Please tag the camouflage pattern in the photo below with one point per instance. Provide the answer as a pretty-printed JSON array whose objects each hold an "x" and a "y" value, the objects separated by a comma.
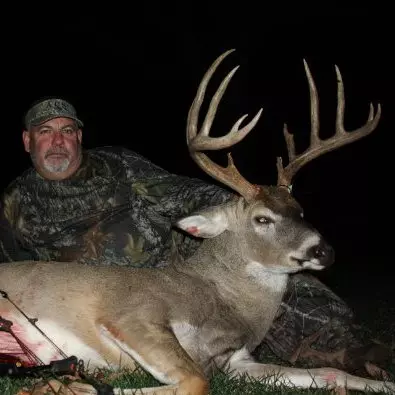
[
  {"x": 118, "y": 208},
  {"x": 48, "y": 109}
]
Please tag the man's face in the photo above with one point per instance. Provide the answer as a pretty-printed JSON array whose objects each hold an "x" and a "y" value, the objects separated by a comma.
[{"x": 54, "y": 147}]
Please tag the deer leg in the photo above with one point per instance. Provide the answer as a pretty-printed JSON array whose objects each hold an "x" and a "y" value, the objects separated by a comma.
[
  {"x": 305, "y": 351},
  {"x": 343, "y": 358},
  {"x": 376, "y": 371},
  {"x": 304, "y": 347},
  {"x": 158, "y": 351},
  {"x": 242, "y": 363}
]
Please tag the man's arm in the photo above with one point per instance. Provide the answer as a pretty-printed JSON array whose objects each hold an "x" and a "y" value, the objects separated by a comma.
[
  {"x": 176, "y": 196},
  {"x": 171, "y": 195}
]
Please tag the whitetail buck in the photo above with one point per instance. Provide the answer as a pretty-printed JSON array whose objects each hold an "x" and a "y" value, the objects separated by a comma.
[{"x": 183, "y": 322}]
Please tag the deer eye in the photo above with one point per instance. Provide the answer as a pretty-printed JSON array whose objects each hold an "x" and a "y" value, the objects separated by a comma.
[{"x": 264, "y": 220}]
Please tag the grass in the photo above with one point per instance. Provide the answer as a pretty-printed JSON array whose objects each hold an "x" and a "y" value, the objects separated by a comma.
[{"x": 220, "y": 384}]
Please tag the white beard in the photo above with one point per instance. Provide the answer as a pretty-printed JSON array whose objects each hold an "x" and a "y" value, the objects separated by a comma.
[{"x": 58, "y": 167}]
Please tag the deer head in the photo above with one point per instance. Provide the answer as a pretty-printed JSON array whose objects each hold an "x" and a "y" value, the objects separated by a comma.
[{"x": 271, "y": 220}]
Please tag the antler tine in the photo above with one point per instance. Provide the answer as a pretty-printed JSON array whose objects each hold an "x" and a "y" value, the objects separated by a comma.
[
  {"x": 199, "y": 141},
  {"x": 317, "y": 146}
]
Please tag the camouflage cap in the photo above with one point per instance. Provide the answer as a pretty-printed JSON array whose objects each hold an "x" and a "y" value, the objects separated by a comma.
[{"x": 49, "y": 109}]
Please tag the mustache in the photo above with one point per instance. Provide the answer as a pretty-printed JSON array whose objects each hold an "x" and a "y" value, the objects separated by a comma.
[{"x": 57, "y": 151}]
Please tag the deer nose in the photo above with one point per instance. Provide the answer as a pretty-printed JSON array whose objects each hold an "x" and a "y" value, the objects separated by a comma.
[{"x": 323, "y": 252}]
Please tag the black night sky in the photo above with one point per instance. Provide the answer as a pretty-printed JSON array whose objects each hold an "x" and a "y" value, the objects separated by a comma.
[{"x": 132, "y": 75}]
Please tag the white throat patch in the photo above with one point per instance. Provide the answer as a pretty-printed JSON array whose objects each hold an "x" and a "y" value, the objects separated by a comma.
[{"x": 275, "y": 281}]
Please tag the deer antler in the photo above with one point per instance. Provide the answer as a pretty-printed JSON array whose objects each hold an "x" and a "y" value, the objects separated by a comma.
[
  {"x": 202, "y": 141},
  {"x": 317, "y": 146}
]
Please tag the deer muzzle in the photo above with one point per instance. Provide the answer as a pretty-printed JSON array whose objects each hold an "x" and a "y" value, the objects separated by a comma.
[{"x": 323, "y": 253}]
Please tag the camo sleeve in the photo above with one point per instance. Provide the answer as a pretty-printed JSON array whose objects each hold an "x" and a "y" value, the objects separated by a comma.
[
  {"x": 169, "y": 198},
  {"x": 172, "y": 195},
  {"x": 175, "y": 196}
]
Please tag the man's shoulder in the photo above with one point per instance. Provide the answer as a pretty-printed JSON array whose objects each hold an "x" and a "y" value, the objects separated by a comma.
[
  {"x": 125, "y": 158},
  {"x": 16, "y": 183},
  {"x": 113, "y": 151},
  {"x": 108, "y": 149},
  {"x": 11, "y": 194}
]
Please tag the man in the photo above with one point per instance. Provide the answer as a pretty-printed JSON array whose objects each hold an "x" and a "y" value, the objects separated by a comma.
[{"x": 112, "y": 206}]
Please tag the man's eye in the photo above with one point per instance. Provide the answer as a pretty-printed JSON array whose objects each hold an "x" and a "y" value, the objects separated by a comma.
[
  {"x": 68, "y": 131},
  {"x": 44, "y": 131},
  {"x": 264, "y": 220}
]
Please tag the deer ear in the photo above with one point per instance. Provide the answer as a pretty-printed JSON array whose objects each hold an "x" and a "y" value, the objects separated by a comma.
[{"x": 204, "y": 224}]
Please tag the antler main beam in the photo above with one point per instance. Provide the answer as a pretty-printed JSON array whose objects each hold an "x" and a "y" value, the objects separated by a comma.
[
  {"x": 317, "y": 146},
  {"x": 199, "y": 141}
]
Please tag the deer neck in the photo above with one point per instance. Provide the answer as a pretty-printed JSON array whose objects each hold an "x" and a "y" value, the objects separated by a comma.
[{"x": 239, "y": 283}]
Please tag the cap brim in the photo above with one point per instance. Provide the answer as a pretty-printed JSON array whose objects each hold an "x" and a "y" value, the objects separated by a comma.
[{"x": 40, "y": 120}]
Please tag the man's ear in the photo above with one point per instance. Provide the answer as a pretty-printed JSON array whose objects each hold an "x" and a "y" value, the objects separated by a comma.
[
  {"x": 26, "y": 140},
  {"x": 79, "y": 135},
  {"x": 206, "y": 223}
]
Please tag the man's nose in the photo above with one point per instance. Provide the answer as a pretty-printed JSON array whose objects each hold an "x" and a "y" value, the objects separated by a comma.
[{"x": 57, "y": 138}]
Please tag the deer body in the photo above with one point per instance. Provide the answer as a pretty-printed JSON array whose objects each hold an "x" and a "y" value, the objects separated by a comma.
[
  {"x": 182, "y": 322},
  {"x": 220, "y": 282},
  {"x": 88, "y": 309}
]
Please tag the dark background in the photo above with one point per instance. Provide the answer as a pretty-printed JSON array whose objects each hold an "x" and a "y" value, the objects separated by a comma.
[{"x": 132, "y": 75}]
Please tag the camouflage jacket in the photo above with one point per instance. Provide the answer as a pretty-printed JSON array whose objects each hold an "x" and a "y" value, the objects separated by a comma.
[{"x": 118, "y": 208}]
